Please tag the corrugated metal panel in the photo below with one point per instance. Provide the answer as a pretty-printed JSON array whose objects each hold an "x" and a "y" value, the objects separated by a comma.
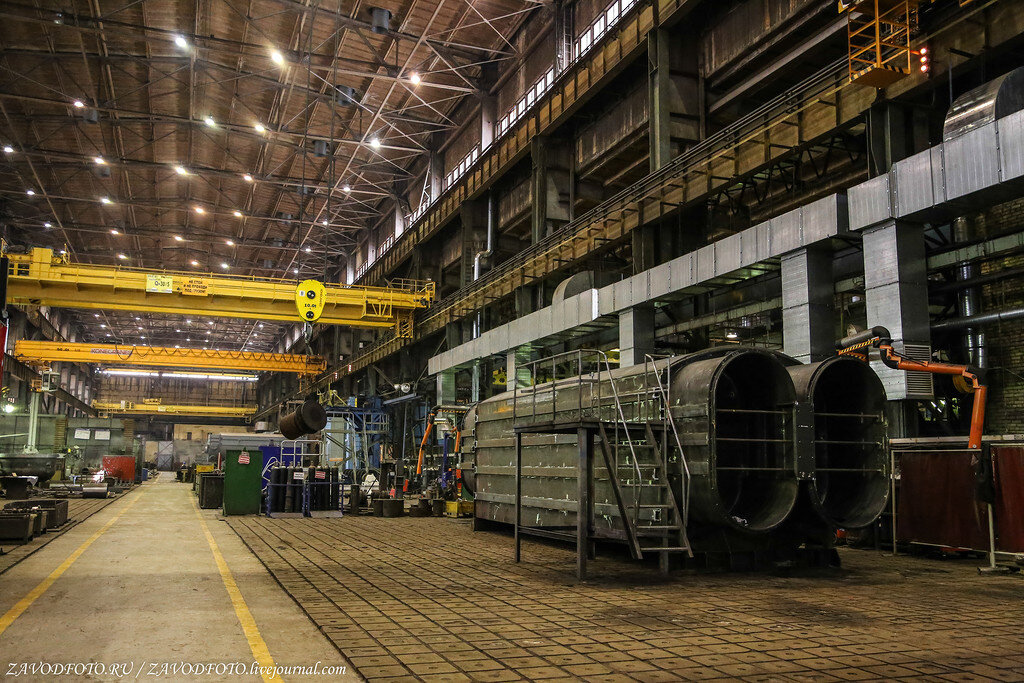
[
  {"x": 1011, "y": 146},
  {"x": 914, "y": 190},
  {"x": 869, "y": 203},
  {"x": 971, "y": 163}
]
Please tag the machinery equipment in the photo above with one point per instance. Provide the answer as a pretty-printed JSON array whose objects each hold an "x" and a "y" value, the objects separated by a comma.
[
  {"x": 729, "y": 456},
  {"x": 308, "y": 418}
]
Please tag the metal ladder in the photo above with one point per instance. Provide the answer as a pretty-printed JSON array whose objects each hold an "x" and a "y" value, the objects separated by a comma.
[{"x": 637, "y": 460}]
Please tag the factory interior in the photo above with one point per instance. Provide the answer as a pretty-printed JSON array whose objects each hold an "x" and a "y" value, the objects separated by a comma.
[{"x": 497, "y": 340}]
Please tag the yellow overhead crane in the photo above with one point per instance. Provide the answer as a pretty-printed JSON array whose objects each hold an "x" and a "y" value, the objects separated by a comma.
[
  {"x": 157, "y": 408},
  {"x": 42, "y": 279},
  {"x": 42, "y": 353}
]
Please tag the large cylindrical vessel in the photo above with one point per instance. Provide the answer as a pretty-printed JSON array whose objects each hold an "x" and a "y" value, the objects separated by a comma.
[
  {"x": 845, "y": 434},
  {"x": 732, "y": 408}
]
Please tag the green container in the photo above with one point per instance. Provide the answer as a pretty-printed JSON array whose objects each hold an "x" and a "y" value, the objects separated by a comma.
[{"x": 243, "y": 482}]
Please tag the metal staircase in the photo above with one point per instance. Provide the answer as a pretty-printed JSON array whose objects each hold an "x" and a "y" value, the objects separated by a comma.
[
  {"x": 637, "y": 444},
  {"x": 633, "y": 428}
]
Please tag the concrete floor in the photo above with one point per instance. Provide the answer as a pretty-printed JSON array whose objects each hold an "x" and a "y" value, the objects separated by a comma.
[
  {"x": 429, "y": 599},
  {"x": 148, "y": 591}
]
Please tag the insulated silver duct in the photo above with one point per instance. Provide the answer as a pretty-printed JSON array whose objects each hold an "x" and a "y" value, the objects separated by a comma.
[{"x": 998, "y": 98}]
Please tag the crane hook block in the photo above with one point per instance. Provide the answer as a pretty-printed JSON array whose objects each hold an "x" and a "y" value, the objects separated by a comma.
[{"x": 310, "y": 298}]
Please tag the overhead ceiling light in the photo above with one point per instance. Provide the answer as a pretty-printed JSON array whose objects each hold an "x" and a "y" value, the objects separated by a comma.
[
  {"x": 108, "y": 334},
  {"x": 30, "y": 192},
  {"x": 225, "y": 266},
  {"x": 295, "y": 270},
  {"x": 177, "y": 346},
  {"x": 106, "y": 200},
  {"x": 375, "y": 142},
  {"x": 731, "y": 335},
  {"x": 246, "y": 177},
  {"x": 78, "y": 104},
  {"x": 103, "y": 326},
  {"x": 122, "y": 256},
  {"x": 188, "y": 320},
  {"x": 142, "y": 336},
  {"x": 95, "y": 315},
  {"x": 137, "y": 318},
  {"x": 179, "y": 238},
  {"x": 180, "y": 41},
  {"x": 99, "y": 160},
  {"x": 115, "y": 231},
  {"x": 209, "y": 121},
  {"x": 414, "y": 78},
  {"x": 276, "y": 57},
  {"x": 200, "y": 209},
  {"x": 47, "y": 224},
  {"x": 188, "y": 339},
  {"x": 237, "y": 213},
  {"x": 346, "y": 188},
  {"x": 308, "y": 250},
  {"x": 261, "y": 326},
  {"x": 207, "y": 332},
  {"x": 230, "y": 243},
  {"x": 195, "y": 263},
  {"x": 259, "y": 128},
  {"x": 181, "y": 170},
  {"x": 177, "y": 330},
  {"x": 8, "y": 149},
  {"x": 209, "y": 322}
]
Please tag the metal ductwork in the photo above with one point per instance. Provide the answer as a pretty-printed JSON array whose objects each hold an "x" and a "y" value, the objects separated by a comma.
[
  {"x": 579, "y": 283},
  {"x": 309, "y": 418},
  {"x": 347, "y": 96},
  {"x": 380, "y": 20},
  {"x": 757, "y": 479},
  {"x": 998, "y": 98},
  {"x": 841, "y": 440}
]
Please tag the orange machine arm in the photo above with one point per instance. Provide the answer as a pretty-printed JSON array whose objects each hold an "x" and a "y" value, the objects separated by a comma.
[
  {"x": 879, "y": 338},
  {"x": 423, "y": 443}
]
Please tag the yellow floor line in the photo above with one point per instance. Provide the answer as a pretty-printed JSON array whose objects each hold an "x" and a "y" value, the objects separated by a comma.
[
  {"x": 260, "y": 651},
  {"x": 34, "y": 594}
]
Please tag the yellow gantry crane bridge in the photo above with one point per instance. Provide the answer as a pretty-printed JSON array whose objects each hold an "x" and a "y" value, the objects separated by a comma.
[
  {"x": 42, "y": 279},
  {"x": 156, "y": 408},
  {"x": 43, "y": 353}
]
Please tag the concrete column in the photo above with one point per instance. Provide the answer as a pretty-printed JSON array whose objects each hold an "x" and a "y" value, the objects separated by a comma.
[
  {"x": 517, "y": 376},
  {"x": 808, "y": 331},
  {"x": 446, "y": 387},
  {"x": 399, "y": 221},
  {"x": 896, "y": 296},
  {"x": 435, "y": 174},
  {"x": 674, "y": 94},
  {"x": 488, "y": 117},
  {"x": 549, "y": 183},
  {"x": 636, "y": 335},
  {"x": 475, "y": 388}
]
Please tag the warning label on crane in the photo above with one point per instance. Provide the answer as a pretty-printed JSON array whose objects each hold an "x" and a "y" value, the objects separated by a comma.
[
  {"x": 159, "y": 283},
  {"x": 195, "y": 286},
  {"x": 310, "y": 297}
]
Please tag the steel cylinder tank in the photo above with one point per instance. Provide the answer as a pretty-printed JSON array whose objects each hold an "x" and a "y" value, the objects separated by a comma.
[
  {"x": 843, "y": 430},
  {"x": 734, "y": 414},
  {"x": 732, "y": 408}
]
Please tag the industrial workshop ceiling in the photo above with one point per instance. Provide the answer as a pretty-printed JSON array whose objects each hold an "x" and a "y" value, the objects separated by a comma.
[{"x": 253, "y": 138}]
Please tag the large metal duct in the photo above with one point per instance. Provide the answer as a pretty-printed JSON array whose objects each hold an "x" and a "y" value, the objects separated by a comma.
[
  {"x": 733, "y": 414},
  {"x": 732, "y": 408},
  {"x": 998, "y": 98},
  {"x": 844, "y": 402}
]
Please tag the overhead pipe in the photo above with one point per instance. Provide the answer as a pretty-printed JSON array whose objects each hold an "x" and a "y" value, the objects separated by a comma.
[{"x": 980, "y": 319}]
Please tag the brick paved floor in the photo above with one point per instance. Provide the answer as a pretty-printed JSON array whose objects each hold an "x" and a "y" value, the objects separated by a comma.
[{"x": 428, "y": 599}]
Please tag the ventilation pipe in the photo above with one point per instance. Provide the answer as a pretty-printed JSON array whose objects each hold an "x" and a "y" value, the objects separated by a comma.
[
  {"x": 480, "y": 255},
  {"x": 380, "y": 20},
  {"x": 347, "y": 96},
  {"x": 968, "y": 299}
]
